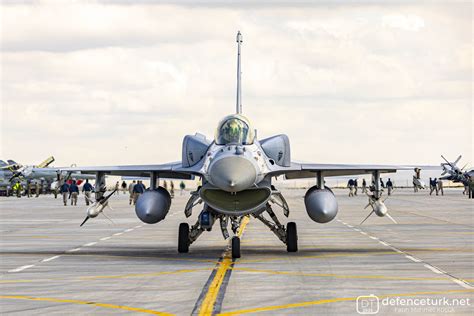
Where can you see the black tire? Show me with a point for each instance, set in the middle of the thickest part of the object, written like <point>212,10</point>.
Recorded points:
<point>235,247</point>
<point>183,238</point>
<point>291,237</point>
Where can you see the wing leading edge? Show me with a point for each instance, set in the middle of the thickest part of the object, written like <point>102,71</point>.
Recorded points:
<point>309,170</point>
<point>172,170</point>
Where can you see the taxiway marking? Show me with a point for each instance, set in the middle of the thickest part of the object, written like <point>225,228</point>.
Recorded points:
<point>224,268</point>
<point>465,284</point>
<point>19,269</point>
<point>334,300</point>
<point>50,259</point>
<point>96,304</point>
<point>22,268</point>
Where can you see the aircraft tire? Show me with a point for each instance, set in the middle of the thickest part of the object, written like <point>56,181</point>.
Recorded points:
<point>235,247</point>
<point>183,238</point>
<point>291,237</point>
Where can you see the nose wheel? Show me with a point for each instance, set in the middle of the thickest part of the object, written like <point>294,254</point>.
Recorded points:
<point>183,238</point>
<point>291,237</point>
<point>235,247</point>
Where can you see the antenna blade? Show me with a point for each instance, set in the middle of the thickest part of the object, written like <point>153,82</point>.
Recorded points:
<point>391,218</point>
<point>366,218</point>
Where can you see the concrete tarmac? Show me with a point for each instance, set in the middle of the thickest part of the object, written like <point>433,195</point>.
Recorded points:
<point>422,265</point>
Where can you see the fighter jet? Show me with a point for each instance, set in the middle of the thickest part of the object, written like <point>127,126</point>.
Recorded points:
<point>13,171</point>
<point>456,174</point>
<point>237,170</point>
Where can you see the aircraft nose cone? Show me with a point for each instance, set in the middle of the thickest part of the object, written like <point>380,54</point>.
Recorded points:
<point>232,173</point>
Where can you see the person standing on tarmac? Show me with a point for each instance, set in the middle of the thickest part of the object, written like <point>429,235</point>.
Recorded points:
<point>440,187</point>
<point>64,190</point>
<point>37,188</point>
<point>17,187</point>
<point>364,186</point>
<point>389,186</point>
<point>130,191</point>
<point>382,184</point>
<point>138,190</point>
<point>29,186</point>
<point>356,187</point>
<point>182,186</point>
<point>124,187</point>
<point>74,190</point>
<point>350,185</point>
<point>87,188</point>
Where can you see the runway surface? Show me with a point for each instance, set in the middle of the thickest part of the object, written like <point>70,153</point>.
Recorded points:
<point>49,265</point>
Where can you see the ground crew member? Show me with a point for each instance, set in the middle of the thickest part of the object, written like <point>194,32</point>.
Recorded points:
<point>74,190</point>
<point>37,188</point>
<point>138,190</point>
<point>117,187</point>
<point>64,190</point>
<point>356,186</point>
<point>433,186</point>
<point>350,185</point>
<point>440,187</point>
<point>17,187</point>
<point>130,191</point>
<point>415,185</point>
<point>182,186</point>
<point>172,189</point>
<point>124,187</point>
<point>87,188</point>
<point>381,183</point>
<point>364,186</point>
<point>165,185</point>
<point>389,186</point>
<point>28,188</point>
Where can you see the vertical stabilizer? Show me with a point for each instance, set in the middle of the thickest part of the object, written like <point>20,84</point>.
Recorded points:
<point>239,75</point>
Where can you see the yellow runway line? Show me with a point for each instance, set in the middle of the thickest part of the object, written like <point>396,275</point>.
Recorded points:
<point>96,304</point>
<point>337,276</point>
<point>207,306</point>
<point>334,300</point>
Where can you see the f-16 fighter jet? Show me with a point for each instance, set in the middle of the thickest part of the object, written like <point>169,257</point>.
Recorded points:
<point>456,174</point>
<point>13,171</point>
<point>236,170</point>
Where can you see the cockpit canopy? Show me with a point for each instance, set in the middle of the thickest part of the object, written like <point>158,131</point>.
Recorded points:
<point>234,129</point>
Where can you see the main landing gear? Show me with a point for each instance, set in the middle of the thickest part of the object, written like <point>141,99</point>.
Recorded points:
<point>288,235</point>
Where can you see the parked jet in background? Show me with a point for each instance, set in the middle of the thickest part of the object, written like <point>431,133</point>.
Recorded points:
<point>236,170</point>
<point>456,174</point>
<point>13,171</point>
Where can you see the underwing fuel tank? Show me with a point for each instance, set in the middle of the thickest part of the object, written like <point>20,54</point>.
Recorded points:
<point>321,204</point>
<point>152,206</point>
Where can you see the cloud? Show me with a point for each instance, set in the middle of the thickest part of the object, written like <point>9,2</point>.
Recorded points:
<point>96,83</point>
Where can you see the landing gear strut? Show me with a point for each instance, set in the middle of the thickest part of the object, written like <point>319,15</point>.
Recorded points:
<point>288,236</point>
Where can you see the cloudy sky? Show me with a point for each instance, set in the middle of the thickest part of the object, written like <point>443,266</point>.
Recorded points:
<point>110,82</point>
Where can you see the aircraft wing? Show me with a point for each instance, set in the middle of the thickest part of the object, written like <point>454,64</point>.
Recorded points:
<point>172,170</point>
<point>309,170</point>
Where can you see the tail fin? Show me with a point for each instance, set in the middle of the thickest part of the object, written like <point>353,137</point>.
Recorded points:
<point>46,163</point>
<point>239,74</point>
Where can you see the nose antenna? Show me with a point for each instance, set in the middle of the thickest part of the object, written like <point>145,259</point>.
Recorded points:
<point>239,75</point>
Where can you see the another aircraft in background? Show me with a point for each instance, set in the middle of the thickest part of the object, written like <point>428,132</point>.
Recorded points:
<point>456,174</point>
<point>13,171</point>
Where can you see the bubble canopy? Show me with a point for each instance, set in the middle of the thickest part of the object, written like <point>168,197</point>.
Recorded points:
<point>234,129</point>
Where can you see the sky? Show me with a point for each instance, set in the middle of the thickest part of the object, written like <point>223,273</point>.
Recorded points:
<point>122,82</point>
